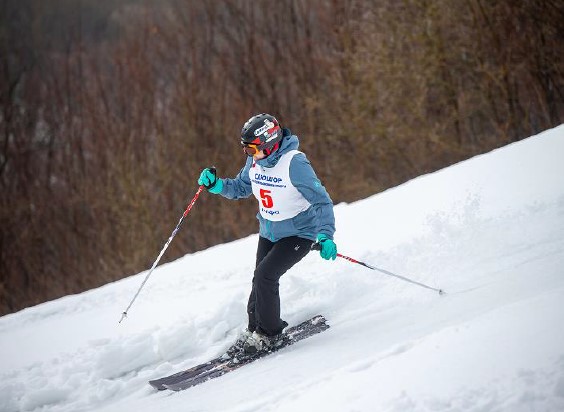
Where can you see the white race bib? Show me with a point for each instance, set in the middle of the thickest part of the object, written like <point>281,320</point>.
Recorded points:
<point>278,198</point>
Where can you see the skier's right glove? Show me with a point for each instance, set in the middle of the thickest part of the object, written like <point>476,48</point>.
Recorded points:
<point>209,179</point>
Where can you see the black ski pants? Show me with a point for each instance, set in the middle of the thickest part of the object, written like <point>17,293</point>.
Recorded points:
<point>273,260</point>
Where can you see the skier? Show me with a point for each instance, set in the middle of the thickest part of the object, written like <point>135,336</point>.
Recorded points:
<point>295,211</point>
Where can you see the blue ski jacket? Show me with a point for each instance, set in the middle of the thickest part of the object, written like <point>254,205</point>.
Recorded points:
<point>318,218</point>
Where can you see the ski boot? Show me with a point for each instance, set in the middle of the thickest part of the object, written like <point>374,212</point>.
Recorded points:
<point>260,342</point>
<point>239,344</point>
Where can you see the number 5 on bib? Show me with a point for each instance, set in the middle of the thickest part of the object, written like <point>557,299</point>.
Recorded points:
<point>266,199</point>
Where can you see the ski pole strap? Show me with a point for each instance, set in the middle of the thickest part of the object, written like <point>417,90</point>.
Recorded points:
<point>213,170</point>
<point>317,246</point>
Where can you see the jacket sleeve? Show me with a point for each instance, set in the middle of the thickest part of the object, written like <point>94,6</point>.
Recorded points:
<point>305,180</point>
<point>240,186</point>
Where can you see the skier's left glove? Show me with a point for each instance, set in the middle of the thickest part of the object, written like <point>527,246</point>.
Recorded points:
<point>209,179</point>
<point>328,247</point>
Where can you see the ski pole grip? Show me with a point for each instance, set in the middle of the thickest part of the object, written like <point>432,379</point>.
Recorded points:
<point>213,170</point>
<point>316,246</point>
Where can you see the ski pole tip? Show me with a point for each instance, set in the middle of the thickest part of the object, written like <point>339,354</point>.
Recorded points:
<point>441,292</point>
<point>123,316</point>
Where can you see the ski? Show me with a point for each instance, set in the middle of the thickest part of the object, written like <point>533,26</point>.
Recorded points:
<point>223,364</point>
<point>160,383</point>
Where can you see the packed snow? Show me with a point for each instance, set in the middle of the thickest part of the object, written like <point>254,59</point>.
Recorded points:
<point>489,231</point>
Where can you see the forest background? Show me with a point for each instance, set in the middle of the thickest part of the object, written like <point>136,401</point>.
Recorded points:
<point>109,109</point>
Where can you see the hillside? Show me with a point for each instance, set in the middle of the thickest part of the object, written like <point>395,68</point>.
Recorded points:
<point>489,231</point>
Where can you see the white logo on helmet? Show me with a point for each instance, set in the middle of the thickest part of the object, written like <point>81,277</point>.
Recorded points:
<point>267,125</point>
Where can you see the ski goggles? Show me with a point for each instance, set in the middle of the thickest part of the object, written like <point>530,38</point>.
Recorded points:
<point>250,149</point>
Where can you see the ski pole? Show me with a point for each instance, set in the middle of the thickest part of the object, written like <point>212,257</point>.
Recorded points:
<point>124,313</point>
<point>317,246</point>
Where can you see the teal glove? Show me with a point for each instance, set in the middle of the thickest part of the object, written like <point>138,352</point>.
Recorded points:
<point>209,179</point>
<point>328,247</point>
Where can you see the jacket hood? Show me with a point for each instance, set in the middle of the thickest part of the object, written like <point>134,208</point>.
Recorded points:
<point>289,142</point>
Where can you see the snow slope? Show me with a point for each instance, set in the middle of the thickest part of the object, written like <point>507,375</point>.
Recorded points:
<point>489,231</point>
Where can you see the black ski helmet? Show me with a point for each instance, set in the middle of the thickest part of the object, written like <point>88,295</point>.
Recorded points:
<point>263,130</point>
